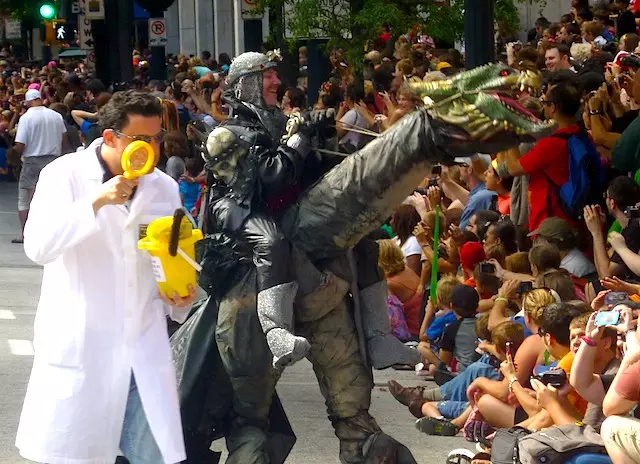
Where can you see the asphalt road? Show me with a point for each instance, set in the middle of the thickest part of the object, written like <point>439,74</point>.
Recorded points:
<point>19,290</point>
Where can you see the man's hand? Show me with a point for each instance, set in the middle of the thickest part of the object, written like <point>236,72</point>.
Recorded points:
<point>115,191</point>
<point>627,322</point>
<point>509,289</point>
<point>617,285</point>
<point>179,301</point>
<point>545,395</point>
<point>593,216</point>
<point>617,241</point>
<point>598,301</point>
<point>592,330</point>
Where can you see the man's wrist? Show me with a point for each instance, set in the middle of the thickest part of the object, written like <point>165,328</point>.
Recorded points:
<point>97,204</point>
<point>589,341</point>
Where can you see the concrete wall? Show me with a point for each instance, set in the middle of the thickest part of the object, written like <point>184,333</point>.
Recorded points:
<point>529,12</point>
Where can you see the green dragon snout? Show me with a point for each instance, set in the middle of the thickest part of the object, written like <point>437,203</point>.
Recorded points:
<point>482,103</point>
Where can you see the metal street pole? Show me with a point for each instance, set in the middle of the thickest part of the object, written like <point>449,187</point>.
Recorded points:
<point>478,32</point>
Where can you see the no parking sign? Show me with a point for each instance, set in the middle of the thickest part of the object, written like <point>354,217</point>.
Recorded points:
<point>157,32</point>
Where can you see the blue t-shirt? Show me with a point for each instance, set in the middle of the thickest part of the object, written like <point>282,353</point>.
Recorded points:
<point>190,193</point>
<point>86,125</point>
<point>201,71</point>
<point>439,323</point>
<point>520,320</point>
<point>479,199</point>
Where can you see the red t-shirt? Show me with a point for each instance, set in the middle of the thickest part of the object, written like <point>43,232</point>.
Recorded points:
<point>547,164</point>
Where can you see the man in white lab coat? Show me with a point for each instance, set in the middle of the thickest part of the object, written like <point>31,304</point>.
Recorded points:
<point>100,337</point>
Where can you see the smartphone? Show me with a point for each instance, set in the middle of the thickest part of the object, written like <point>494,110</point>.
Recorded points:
<point>436,170</point>
<point>510,350</point>
<point>556,378</point>
<point>433,182</point>
<point>606,318</point>
<point>487,268</point>
<point>525,287</point>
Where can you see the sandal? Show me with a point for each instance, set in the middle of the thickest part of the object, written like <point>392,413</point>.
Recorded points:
<point>439,427</point>
<point>460,456</point>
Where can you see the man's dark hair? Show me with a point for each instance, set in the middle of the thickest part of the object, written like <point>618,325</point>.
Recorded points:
<point>95,86</point>
<point>585,14</point>
<point>157,85</point>
<point>566,98</point>
<point>297,97</point>
<point>573,29</point>
<point>355,91</point>
<point>505,230</point>
<point>206,55</point>
<point>223,59</point>
<point>115,114</point>
<point>542,22</point>
<point>484,218</point>
<point>556,319</point>
<point>563,49</point>
<point>566,18</point>
<point>624,191</point>
<point>544,257</point>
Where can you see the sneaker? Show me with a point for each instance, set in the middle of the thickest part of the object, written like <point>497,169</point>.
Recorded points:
<point>439,427</point>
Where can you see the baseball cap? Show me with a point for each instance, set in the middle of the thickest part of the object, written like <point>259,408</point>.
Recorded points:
<point>35,85</point>
<point>464,300</point>
<point>471,253</point>
<point>554,228</point>
<point>32,94</point>
<point>462,160</point>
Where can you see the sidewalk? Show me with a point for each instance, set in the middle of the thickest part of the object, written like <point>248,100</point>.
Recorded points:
<point>11,254</point>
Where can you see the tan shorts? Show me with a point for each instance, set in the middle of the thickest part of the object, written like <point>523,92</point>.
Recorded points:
<point>623,432</point>
<point>31,168</point>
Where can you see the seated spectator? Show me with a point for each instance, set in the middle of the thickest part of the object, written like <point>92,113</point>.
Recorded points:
<point>518,263</point>
<point>437,318</point>
<point>502,233</point>
<point>620,432</point>
<point>471,254</point>
<point>557,232</point>
<point>402,282</point>
<point>621,194</point>
<point>443,414</point>
<point>403,222</point>
<point>457,345</point>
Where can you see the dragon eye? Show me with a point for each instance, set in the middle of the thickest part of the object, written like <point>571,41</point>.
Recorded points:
<point>504,73</point>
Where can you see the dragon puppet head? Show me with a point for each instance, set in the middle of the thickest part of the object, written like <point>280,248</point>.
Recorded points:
<point>480,106</point>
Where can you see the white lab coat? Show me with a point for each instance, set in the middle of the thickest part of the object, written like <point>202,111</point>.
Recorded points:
<point>99,318</point>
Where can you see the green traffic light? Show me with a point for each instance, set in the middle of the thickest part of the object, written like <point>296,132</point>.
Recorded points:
<point>47,11</point>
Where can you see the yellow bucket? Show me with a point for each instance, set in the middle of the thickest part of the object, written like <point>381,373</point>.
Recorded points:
<point>174,273</point>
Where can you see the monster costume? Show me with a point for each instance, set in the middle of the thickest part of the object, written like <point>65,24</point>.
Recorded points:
<point>224,366</point>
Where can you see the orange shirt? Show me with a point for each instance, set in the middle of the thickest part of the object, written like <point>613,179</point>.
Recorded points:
<point>574,399</point>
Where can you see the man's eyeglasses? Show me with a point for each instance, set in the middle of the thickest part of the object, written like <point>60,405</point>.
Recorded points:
<point>158,138</point>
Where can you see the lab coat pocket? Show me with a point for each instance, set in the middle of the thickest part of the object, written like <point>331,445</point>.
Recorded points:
<point>61,343</point>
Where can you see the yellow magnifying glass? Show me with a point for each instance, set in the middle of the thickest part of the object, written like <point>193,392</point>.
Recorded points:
<point>137,159</point>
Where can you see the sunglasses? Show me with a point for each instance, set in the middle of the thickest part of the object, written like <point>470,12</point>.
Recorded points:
<point>158,138</point>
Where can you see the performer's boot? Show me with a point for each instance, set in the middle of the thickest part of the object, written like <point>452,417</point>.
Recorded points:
<point>383,348</point>
<point>275,311</point>
<point>276,289</point>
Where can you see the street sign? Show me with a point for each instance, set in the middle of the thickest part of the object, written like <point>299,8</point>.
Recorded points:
<point>12,29</point>
<point>93,9</point>
<point>250,10</point>
<point>84,33</point>
<point>157,32</point>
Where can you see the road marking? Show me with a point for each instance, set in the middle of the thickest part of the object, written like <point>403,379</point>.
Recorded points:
<point>21,347</point>
<point>6,314</point>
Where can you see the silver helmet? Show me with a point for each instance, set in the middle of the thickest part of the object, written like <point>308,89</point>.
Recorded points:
<point>245,75</point>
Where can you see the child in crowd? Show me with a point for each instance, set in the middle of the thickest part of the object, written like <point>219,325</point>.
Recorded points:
<point>190,191</point>
<point>442,408</point>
